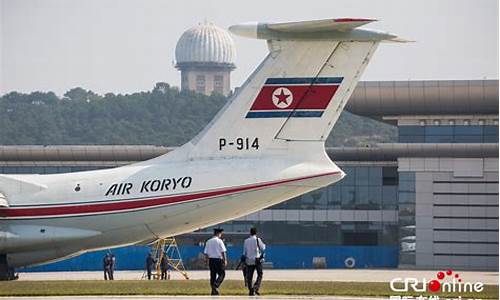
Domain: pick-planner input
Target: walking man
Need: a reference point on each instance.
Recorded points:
(253, 250)
(112, 263)
(215, 253)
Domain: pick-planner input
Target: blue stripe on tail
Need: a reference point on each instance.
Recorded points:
(305, 80)
(284, 114)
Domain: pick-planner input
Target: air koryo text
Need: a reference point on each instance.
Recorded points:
(148, 186)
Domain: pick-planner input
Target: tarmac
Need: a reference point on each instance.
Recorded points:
(329, 275)
(192, 297)
(355, 275)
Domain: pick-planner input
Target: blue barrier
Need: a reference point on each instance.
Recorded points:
(298, 257)
(281, 256)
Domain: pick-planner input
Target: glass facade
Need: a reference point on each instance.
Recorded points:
(406, 214)
(364, 188)
(448, 134)
(310, 233)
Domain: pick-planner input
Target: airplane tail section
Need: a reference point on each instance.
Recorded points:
(296, 94)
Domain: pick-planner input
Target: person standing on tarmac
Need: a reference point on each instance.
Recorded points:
(112, 263)
(253, 250)
(164, 266)
(150, 264)
(215, 254)
(106, 265)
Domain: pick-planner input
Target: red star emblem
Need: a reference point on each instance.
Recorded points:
(282, 97)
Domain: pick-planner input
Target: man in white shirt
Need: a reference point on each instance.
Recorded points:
(215, 253)
(253, 250)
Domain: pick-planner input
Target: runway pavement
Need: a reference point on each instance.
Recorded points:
(357, 275)
(194, 297)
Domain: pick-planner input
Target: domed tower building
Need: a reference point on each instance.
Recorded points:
(205, 56)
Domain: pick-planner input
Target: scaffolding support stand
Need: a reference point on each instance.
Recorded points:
(168, 247)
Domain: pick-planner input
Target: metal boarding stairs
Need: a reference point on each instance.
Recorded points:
(167, 247)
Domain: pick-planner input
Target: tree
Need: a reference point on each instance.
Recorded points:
(163, 116)
(161, 87)
(76, 94)
(79, 94)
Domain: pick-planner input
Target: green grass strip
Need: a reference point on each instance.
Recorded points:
(201, 287)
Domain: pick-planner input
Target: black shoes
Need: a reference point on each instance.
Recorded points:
(254, 292)
(215, 292)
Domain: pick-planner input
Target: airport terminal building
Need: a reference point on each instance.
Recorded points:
(428, 200)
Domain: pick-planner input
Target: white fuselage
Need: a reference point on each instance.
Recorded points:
(84, 211)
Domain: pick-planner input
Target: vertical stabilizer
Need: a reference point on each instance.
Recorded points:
(295, 95)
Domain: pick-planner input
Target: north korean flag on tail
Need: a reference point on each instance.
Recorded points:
(298, 97)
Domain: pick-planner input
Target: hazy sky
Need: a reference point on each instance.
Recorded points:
(127, 45)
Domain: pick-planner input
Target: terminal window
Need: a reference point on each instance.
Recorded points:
(448, 134)
(218, 84)
(355, 238)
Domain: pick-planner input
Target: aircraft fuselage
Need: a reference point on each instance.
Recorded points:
(143, 202)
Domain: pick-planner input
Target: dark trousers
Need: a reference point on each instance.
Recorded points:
(244, 270)
(108, 274)
(164, 274)
(217, 272)
(148, 270)
(250, 269)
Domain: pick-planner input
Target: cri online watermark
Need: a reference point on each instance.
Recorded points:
(446, 282)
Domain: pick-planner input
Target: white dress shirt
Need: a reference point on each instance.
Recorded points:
(214, 247)
(251, 250)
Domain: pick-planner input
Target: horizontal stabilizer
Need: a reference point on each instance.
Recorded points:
(343, 29)
(320, 25)
(400, 40)
(17, 184)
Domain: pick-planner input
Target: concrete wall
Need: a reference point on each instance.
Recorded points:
(456, 212)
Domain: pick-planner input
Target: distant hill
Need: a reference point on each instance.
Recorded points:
(162, 116)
